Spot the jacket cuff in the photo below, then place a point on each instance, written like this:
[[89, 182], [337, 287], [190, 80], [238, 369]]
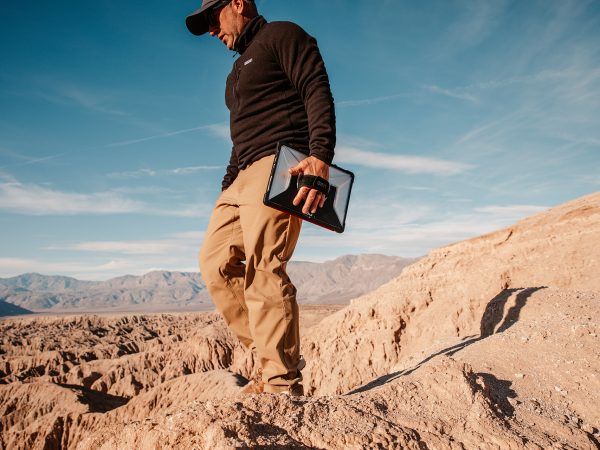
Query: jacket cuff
[[326, 157]]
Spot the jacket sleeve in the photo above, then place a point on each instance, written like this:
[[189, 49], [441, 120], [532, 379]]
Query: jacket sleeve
[[232, 171], [301, 60]]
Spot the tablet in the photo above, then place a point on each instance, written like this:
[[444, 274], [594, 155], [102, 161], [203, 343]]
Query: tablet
[[283, 187]]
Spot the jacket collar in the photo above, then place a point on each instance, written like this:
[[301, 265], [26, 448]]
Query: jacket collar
[[248, 33]]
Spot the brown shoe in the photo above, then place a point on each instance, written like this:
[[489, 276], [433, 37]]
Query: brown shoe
[[295, 390], [255, 385]]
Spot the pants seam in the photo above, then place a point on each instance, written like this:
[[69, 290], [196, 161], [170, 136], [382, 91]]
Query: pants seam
[[227, 277], [283, 300]]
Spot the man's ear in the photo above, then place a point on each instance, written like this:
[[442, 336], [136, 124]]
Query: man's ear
[[246, 8], [239, 6]]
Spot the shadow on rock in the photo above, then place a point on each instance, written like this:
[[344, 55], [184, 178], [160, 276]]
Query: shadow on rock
[[493, 321], [97, 401], [499, 392]]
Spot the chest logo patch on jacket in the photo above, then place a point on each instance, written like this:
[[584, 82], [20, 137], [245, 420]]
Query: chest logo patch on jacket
[[248, 62]]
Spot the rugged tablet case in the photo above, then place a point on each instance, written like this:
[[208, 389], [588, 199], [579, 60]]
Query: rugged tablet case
[[283, 187]]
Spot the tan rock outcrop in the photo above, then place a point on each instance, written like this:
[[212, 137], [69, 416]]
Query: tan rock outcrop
[[446, 295]]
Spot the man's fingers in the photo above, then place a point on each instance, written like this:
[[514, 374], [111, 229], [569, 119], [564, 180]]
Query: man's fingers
[[318, 202], [310, 199], [323, 198], [313, 199], [302, 192]]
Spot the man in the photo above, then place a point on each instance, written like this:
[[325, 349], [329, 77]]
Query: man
[[277, 91]]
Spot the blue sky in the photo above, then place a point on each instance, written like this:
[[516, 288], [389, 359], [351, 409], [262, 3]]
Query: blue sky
[[457, 117]]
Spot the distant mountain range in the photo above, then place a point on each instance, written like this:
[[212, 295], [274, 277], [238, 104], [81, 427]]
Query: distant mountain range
[[330, 282]]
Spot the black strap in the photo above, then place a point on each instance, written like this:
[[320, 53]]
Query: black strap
[[313, 182]]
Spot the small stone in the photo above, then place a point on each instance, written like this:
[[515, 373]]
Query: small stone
[[519, 376], [561, 391]]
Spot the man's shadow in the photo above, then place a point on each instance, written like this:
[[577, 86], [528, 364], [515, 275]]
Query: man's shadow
[[491, 322]]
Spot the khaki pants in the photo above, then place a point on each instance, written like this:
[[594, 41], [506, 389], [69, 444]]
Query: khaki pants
[[256, 298]]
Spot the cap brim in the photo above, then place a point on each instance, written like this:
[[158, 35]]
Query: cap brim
[[196, 22]]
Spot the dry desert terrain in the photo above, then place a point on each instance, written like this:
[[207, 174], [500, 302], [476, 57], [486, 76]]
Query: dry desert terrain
[[489, 343]]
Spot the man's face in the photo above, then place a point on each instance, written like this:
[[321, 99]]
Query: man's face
[[227, 24]]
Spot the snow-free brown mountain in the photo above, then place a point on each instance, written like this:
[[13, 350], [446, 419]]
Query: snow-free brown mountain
[[490, 343], [330, 282]]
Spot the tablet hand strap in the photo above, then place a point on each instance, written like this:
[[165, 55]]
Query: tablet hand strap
[[313, 182]]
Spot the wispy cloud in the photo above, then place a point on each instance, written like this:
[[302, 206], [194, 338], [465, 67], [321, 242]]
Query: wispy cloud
[[26, 160], [88, 99], [595, 180], [511, 211], [402, 163], [162, 172], [370, 101], [38, 200], [452, 93], [102, 269], [158, 136], [420, 188], [175, 244], [65, 92], [218, 129], [33, 199], [374, 228], [541, 76], [101, 260], [476, 20]]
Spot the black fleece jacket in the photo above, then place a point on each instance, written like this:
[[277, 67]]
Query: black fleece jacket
[[278, 91]]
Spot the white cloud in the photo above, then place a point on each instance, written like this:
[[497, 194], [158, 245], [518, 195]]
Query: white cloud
[[108, 259], [37, 200], [541, 76], [195, 210], [66, 92], [133, 174], [26, 160], [193, 235], [402, 163], [370, 101], [161, 135], [127, 248], [476, 20], [511, 211], [410, 230], [452, 93], [88, 99], [220, 130], [162, 172], [420, 188], [100, 270], [173, 244]]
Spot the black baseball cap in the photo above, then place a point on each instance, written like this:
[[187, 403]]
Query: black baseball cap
[[196, 22]]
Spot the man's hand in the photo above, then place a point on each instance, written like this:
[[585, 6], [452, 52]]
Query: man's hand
[[314, 199]]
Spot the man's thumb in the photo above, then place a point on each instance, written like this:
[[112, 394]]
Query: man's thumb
[[296, 169]]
